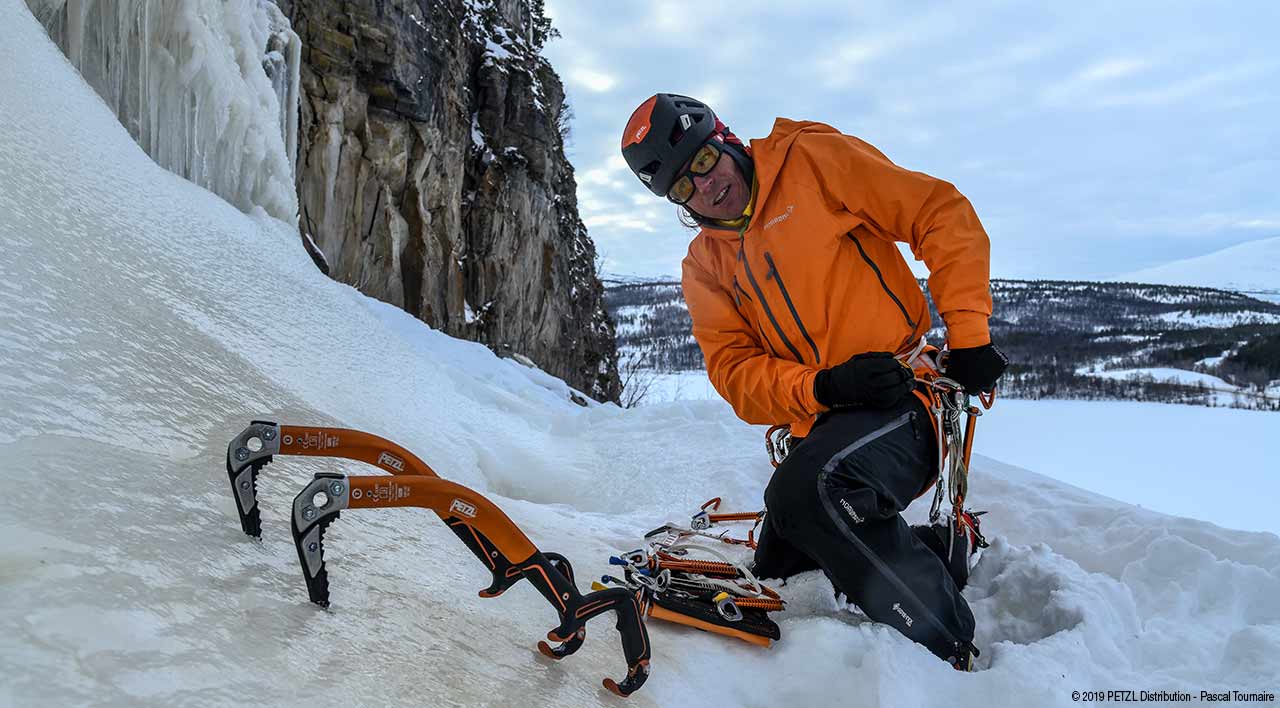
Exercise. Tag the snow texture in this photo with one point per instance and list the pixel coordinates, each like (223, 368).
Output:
(209, 88)
(145, 321)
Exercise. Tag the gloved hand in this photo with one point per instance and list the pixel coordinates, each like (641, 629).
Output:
(976, 368)
(874, 379)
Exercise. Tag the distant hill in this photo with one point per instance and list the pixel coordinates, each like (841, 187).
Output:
(1252, 268)
(1066, 339)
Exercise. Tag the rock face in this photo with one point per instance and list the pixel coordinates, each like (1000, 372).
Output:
(431, 174)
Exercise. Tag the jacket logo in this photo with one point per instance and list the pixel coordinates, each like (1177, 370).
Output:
(898, 608)
(780, 218)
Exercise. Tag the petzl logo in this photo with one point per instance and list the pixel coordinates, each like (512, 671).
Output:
(391, 461)
(898, 608)
(463, 508)
(640, 132)
(852, 514)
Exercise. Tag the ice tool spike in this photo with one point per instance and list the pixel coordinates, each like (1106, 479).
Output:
(247, 453)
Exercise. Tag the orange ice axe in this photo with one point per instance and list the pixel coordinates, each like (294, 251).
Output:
(320, 502)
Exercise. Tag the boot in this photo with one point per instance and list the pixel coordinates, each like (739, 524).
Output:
(954, 549)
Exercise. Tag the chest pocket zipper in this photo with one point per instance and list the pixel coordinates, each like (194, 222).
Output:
(777, 277)
(764, 304)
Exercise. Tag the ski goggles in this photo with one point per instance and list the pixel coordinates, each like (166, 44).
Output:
(704, 160)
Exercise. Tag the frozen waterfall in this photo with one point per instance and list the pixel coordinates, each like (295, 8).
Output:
(209, 88)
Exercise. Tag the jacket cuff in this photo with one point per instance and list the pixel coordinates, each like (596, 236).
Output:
(966, 329)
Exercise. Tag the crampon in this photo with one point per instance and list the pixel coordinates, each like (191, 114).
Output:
(479, 524)
(680, 576)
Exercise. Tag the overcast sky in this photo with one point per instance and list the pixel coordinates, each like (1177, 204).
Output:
(1092, 138)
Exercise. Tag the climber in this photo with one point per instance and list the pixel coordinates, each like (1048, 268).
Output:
(808, 315)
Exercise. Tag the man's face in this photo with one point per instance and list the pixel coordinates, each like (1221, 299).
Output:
(721, 193)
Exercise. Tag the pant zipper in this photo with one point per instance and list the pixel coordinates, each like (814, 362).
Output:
(824, 497)
(777, 276)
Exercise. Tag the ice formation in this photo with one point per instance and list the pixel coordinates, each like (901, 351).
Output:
(209, 88)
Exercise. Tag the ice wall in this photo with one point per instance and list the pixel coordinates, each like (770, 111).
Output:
(209, 88)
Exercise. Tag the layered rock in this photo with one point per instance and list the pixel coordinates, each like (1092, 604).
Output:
(431, 174)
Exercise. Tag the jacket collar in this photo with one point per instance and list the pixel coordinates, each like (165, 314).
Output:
(769, 154)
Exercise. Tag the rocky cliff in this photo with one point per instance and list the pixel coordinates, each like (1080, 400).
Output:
(431, 175)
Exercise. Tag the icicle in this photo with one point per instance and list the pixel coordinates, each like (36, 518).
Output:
(210, 89)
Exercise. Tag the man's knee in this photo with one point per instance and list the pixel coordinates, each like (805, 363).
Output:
(792, 492)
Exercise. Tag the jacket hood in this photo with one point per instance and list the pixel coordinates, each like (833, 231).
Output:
(769, 154)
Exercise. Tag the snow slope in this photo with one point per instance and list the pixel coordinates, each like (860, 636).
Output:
(144, 321)
(1252, 267)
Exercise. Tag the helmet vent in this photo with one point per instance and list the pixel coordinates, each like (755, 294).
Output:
(677, 132)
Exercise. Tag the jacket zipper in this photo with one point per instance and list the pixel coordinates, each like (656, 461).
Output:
(755, 286)
(910, 322)
(739, 293)
(777, 276)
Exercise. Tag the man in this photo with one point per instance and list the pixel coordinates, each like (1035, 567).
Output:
(806, 314)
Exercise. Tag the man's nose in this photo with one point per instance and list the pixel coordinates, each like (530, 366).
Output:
(702, 182)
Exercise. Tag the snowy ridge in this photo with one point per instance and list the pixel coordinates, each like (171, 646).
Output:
(144, 321)
(1252, 267)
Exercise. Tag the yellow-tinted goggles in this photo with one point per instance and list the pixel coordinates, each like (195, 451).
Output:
(704, 160)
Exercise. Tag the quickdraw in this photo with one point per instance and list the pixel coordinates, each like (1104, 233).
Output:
(701, 523)
(490, 535)
(955, 449)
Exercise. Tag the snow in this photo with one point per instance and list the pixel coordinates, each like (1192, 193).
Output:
(1219, 320)
(1211, 464)
(188, 81)
(144, 321)
(1252, 267)
(1165, 374)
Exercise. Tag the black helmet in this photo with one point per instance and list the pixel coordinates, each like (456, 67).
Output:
(663, 133)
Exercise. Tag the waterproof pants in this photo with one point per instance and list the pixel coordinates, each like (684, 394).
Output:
(834, 504)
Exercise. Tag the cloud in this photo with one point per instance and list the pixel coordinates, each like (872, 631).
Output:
(1198, 225)
(1084, 84)
(591, 79)
(1183, 89)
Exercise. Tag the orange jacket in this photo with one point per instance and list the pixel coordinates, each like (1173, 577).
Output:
(815, 278)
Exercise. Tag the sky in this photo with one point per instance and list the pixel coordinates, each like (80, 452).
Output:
(1093, 139)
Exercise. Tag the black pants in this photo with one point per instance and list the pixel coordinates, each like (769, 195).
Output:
(834, 504)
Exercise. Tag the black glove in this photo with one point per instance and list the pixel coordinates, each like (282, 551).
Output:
(874, 379)
(976, 368)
